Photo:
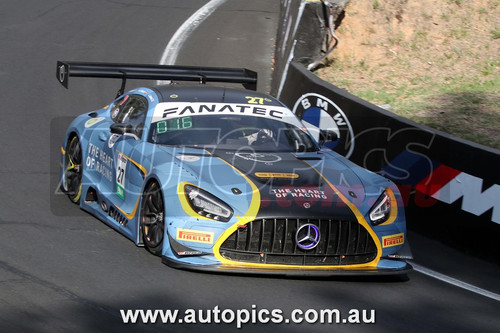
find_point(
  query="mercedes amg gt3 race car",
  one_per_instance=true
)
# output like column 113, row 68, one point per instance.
column 223, row 179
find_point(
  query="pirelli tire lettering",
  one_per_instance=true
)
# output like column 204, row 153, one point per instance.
column 319, row 113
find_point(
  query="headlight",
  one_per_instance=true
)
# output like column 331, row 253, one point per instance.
column 381, row 209
column 207, row 205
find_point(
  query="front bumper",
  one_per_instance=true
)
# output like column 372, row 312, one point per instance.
column 401, row 268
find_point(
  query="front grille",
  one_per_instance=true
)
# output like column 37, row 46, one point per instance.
column 272, row 241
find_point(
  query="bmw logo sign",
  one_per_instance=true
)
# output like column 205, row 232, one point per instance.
column 319, row 113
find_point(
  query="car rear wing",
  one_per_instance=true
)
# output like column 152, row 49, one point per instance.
column 65, row 69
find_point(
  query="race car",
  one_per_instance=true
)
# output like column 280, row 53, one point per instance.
column 223, row 179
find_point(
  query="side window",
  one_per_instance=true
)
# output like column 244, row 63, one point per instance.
column 130, row 109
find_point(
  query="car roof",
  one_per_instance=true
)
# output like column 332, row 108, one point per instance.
column 211, row 94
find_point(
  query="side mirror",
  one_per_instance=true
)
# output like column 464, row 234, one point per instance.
column 327, row 136
column 123, row 129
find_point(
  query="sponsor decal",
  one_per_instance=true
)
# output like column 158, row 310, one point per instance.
column 276, row 175
column 299, row 192
column 188, row 158
column 195, row 236
column 112, row 140
column 189, row 253
column 434, row 181
column 170, row 110
column 114, row 113
column 474, row 200
column 145, row 92
column 319, row 113
column 93, row 121
column 121, row 168
column 393, row 240
column 99, row 160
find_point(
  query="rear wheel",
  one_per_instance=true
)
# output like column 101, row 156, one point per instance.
column 73, row 169
column 152, row 218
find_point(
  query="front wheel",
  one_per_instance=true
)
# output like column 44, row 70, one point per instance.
column 152, row 218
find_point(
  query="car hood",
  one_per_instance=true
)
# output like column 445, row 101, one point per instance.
column 298, row 185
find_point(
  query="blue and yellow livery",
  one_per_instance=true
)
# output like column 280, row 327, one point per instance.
column 222, row 179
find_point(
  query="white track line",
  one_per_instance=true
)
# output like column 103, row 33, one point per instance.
column 174, row 46
column 455, row 282
column 292, row 51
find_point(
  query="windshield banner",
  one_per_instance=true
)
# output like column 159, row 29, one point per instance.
column 166, row 111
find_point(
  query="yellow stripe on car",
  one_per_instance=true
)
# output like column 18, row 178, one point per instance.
column 140, row 167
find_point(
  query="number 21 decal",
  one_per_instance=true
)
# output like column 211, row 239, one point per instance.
column 121, row 167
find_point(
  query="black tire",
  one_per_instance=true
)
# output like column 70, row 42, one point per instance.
column 152, row 219
column 73, row 169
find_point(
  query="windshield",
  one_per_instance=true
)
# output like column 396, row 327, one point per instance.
column 232, row 132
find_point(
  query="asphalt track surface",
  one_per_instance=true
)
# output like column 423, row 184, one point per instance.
column 61, row 270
